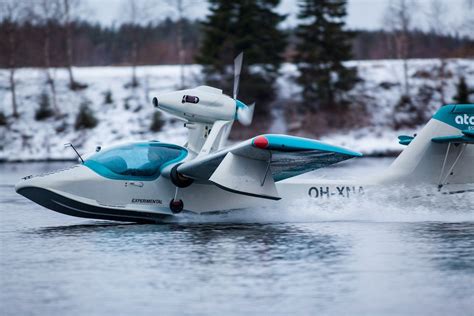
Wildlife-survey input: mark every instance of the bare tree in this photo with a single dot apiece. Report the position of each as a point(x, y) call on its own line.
point(180, 7)
point(12, 14)
point(136, 12)
point(468, 21)
point(469, 4)
point(47, 12)
point(436, 14)
point(67, 6)
point(179, 39)
point(399, 20)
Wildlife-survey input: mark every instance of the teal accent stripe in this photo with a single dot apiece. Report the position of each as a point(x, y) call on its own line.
point(293, 143)
point(468, 133)
point(460, 116)
point(239, 104)
point(405, 140)
point(459, 139)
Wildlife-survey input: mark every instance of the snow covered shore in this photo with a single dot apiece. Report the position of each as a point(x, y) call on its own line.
point(129, 115)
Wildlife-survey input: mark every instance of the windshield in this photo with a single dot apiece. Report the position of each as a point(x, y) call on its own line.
point(139, 161)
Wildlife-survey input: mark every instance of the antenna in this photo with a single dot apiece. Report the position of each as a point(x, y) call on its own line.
point(74, 148)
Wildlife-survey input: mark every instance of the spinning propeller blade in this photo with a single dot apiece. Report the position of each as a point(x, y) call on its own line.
point(244, 113)
point(237, 69)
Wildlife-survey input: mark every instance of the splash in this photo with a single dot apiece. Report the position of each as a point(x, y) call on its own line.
point(381, 205)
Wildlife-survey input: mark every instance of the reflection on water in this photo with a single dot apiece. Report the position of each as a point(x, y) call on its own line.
point(374, 261)
point(267, 242)
point(451, 244)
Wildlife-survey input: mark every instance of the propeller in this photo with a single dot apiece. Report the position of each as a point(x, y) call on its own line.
point(237, 70)
point(244, 113)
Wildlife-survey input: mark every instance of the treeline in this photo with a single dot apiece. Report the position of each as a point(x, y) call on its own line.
point(380, 45)
point(97, 45)
point(318, 46)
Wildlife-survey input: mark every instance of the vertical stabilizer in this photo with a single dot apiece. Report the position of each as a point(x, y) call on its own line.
point(442, 152)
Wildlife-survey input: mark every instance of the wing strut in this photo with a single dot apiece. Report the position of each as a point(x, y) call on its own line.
point(441, 181)
point(268, 169)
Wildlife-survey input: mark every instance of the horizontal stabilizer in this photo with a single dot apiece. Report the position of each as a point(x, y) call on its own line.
point(467, 137)
point(468, 133)
point(405, 140)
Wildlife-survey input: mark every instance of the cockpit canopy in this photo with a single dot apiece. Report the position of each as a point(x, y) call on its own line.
point(137, 161)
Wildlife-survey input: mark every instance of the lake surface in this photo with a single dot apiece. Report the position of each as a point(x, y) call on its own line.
point(369, 258)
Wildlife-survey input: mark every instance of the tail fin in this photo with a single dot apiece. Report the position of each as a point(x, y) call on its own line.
point(442, 152)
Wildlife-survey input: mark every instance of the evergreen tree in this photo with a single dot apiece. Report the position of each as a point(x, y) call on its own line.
point(85, 118)
point(156, 122)
point(409, 114)
point(3, 119)
point(108, 99)
point(44, 111)
point(250, 26)
point(462, 94)
point(322, 46)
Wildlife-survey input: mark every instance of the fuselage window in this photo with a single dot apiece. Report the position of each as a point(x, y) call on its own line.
point(190, 99)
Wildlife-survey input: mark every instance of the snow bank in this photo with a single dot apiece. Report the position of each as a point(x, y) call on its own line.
point(129, 116)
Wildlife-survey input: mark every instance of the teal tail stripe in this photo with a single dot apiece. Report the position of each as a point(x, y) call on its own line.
point(460, 116)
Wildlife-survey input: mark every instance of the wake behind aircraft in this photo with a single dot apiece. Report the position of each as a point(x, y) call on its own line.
point(152, 181)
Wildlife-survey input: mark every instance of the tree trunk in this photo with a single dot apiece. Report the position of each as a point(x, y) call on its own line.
point(442, 84)
point(13, 91)
point(134, 64)
point(182, 55)
point(47, 65)
point(52, 86)
point(405, 76)
point(179, 38)
point(12, 64)
point(72, 82)
point(404, 52)
point(405, 47)
point(401, 45)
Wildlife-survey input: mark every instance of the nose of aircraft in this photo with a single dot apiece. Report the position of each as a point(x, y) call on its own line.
point(30, 182)
point(39, 188)
point(36, 189)
point(48, 191)
point(58, 190)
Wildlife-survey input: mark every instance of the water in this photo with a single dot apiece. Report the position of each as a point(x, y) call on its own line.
point(365, 258)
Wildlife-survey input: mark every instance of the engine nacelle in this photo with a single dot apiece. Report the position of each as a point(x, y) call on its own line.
point(203, 104)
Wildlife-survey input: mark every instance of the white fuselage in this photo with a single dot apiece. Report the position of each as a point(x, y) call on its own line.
point(81, 184)
point(423, 168)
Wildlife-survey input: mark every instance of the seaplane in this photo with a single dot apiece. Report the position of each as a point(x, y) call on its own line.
point(152, 181)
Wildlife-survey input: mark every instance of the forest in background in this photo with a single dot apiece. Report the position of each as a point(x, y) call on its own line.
point(97, 45)
point(307, 79)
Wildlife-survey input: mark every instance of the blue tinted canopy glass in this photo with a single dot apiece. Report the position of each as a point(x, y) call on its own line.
point(137, 161)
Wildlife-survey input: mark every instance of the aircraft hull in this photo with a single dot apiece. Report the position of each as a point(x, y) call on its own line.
point(82, 193)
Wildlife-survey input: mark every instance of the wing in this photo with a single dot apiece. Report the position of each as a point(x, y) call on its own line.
point(253, 166)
